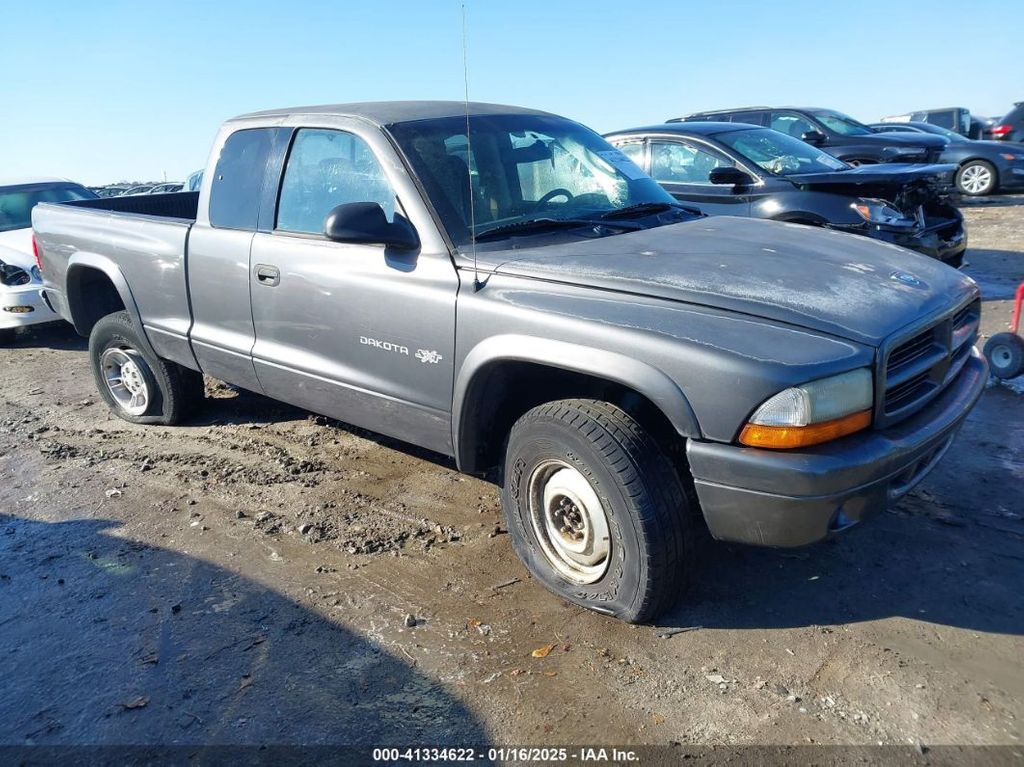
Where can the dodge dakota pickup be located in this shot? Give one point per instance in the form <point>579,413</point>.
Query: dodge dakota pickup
<point>502,286</point>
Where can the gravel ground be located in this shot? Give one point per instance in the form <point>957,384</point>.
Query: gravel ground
<point>265,575</point>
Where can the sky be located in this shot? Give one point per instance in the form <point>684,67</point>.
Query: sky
<point>107,90</point>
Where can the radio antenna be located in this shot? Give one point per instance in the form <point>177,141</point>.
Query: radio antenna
<point>469,151</point>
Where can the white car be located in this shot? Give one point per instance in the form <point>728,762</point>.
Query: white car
<point>21,299</point>
<point>21,303</point>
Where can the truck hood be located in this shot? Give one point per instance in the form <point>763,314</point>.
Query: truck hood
<point>895,174</point>
<point>845,285</point>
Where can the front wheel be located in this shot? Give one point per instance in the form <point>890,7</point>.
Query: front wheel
<point>976,178</point>
<point>137,386</point>
<point>596,510</point>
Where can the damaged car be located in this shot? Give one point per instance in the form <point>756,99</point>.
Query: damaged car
<point>21,301</point>
<point>745,170</point>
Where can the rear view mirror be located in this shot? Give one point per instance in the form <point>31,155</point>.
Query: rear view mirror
<point>730,176</point>
<point>814,138</point>
<point>365,223</point>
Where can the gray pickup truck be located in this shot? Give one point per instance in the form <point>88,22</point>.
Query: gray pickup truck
<point>502,286</point>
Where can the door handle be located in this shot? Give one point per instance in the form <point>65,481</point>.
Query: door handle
<point>268,275</point>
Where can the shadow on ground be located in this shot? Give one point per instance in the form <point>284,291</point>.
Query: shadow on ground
<point>106,640</point>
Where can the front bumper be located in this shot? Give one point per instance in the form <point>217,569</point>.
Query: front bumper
<point>23,306</point>
<point>792,498</point>
<point>945,241</point>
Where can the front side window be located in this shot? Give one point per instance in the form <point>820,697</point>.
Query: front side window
<point>238,179</point>
<point>518,168</point>
<point>791,124</point>
<point>327,168</point>
<point>16,202</point>
<point>678,163</point>
<point>778,153</point>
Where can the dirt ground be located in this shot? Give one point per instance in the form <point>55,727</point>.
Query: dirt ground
<point>247,579</point>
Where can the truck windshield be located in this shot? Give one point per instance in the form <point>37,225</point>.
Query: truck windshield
<point>16,202</point>
<point>522,169</point>
<point>778,153</point>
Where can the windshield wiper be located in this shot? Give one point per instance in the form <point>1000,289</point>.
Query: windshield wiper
<point>642,209</point>
<point>532,225</point>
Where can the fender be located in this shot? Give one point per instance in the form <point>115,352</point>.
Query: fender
<point>79,261</point>
<point>652,383</point>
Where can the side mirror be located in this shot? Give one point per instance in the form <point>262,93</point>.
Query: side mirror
<point>729,175</point>
<point>365,223</point>
<point>814,138</point>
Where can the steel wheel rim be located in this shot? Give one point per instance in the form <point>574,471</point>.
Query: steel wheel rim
<point>976,178</point>
<point>122,372</point>
<point>1001,357</point>
<point>569,522</point>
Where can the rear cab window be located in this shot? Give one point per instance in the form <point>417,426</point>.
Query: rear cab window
<point>243,176</point>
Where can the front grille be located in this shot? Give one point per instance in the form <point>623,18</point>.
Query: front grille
<point>918,366</point>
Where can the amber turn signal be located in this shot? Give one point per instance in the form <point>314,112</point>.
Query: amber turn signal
<point>783,437</point>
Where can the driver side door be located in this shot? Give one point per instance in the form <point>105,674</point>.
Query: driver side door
<point>362,333</point>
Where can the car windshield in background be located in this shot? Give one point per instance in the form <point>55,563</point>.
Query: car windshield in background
<point>16,203</point>
<point>523,171</point>
<point>842,124</point>
<point>778,153</point>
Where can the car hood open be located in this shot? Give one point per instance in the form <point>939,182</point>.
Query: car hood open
<point>845,285</point>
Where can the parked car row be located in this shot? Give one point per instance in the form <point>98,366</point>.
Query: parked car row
<point>1010,127</point>
<point>629,368</point>
<point>118,190</point>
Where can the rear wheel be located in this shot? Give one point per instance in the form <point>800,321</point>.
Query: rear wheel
<point>137,386</point>
<point>1005,353</point>
<point>976,178</point>
<point>596,509</point>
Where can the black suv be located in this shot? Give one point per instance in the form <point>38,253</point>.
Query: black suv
<point>834,132</point>
<point>1011,127</point>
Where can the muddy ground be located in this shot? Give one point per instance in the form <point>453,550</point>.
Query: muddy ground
<point>247,578</point>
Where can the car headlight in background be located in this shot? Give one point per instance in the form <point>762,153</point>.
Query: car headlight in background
<point>880,212</point>
<point>12,276</point>
<point>813,413</point>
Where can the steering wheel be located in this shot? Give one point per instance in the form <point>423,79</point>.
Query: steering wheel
<point>552,195</point>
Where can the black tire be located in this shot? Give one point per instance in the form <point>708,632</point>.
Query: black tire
<point>1005,353</point>
<point>974,170</point>
<point>173,392</point>
<point>7,336</point>
<point>650,521</point>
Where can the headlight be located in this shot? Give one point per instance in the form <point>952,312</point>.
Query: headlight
<point>880,212</point>
<point>813,413</point>
<point>13,276</point>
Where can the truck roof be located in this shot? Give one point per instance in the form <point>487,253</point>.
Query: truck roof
<point>390,112</point>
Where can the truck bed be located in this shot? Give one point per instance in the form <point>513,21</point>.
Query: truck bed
<point>138,241</point>
<point>177,205</point>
